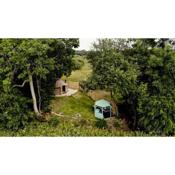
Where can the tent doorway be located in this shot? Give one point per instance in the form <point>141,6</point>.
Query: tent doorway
<point>64,89</point>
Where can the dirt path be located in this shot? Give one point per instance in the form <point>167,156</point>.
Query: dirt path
<point>70,92</point>
<point>73,85</point>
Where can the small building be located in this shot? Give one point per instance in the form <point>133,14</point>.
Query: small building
<point>102,109</point>
<point>61,87</point>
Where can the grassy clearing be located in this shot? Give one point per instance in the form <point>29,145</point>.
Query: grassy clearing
<point>79,103</point>
<point>84,125</point>
<point>81,74</point>
<point>66,125</point>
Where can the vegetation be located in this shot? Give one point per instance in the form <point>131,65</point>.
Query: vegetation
<point>67,129</point>
<point>28,70</point>
<point>102,124</point>
<point>78,62</point>
<point>83,72</point>
<point>14,111</point>
<point>79,104</point>
<point>139,75</point>
<point>73,121</point>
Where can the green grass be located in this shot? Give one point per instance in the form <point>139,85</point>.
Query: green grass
<point>79,103</point>
<point>81,74</point>
<point>66,125</point>
<point>67,129</point>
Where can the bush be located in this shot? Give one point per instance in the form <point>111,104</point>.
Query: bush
<point>117,123</point>
<point>78,63</point>
<point>54,121</point>
<point>156,113</point>
<point>14,111</point>
<point>101,124</point>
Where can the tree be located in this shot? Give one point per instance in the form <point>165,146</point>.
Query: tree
<point>140,76</point>
<point>111,71</point>
<point>29,65</point>
<point>29,58</point>
<point>156,103</point>
<point>14,110</point>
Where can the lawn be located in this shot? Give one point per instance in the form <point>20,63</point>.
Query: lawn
<point>81,74</point>
<point>78,104</point>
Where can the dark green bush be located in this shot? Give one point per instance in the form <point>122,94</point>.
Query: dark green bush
<point>101,124</point>
<point>117,123</point>
<point>54,121</point>
<point>14,111</point>
<point>78,63</point>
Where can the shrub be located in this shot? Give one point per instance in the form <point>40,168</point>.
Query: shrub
<point>54,121</point>
<point>117,123</point>
<point>14,111</point>
<point>78,63</point>
<point>101,124</point>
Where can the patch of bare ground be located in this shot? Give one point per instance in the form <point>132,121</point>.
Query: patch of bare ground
<point>99,94</point>
<point>73,85</point>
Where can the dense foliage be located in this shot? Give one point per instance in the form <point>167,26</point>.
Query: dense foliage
<point>14,111</point>
<point>78,62</point>
<point>28,71</point>
<point>140,74</point>
<point>68,129</point>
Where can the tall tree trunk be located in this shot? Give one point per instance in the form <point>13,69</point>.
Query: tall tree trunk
<point>32,90</point>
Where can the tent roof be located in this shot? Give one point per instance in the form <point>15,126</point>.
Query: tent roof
<point>60,83</point>
<point>102,103</point>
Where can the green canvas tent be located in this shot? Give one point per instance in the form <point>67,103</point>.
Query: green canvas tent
<point>102,109</point>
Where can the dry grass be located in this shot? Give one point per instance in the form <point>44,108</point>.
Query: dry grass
<point>73,85</point>
<point>99,94</point>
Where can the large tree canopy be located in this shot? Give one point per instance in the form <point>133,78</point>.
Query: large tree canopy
<point>30,67</point>
<point>140,74</point>
<point>156,84</point>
